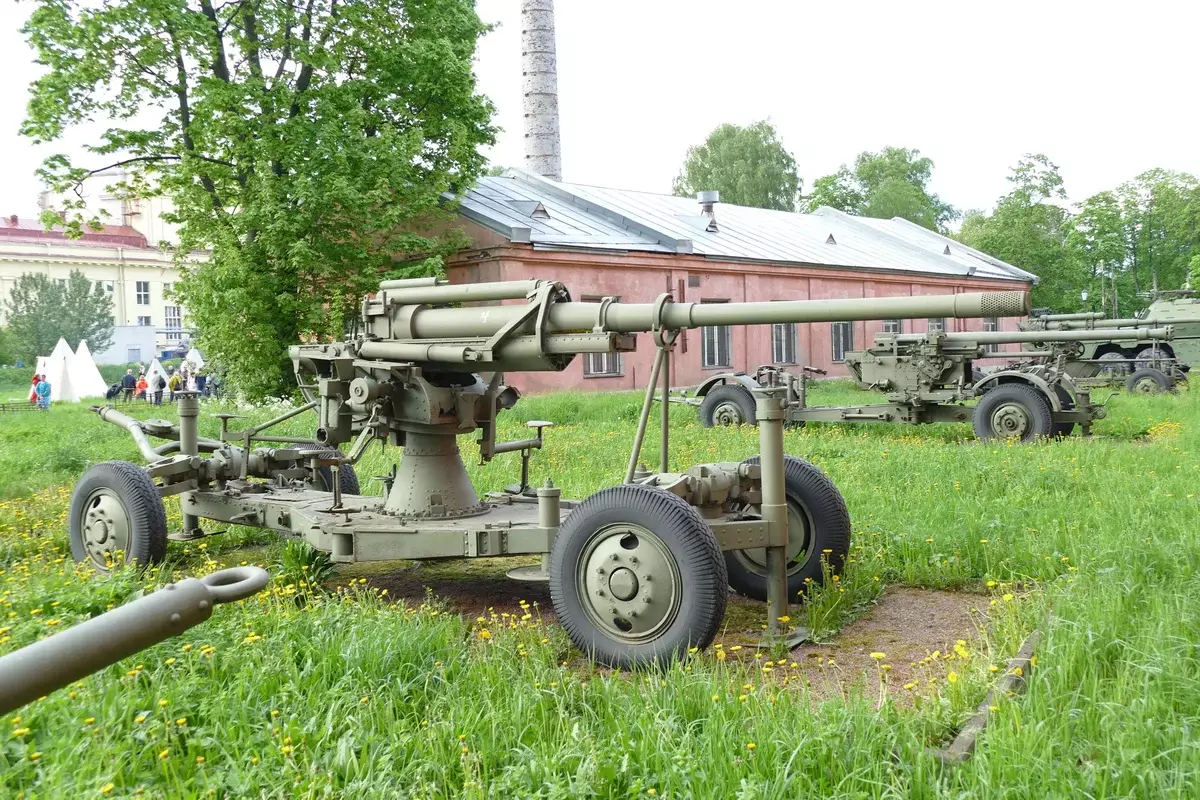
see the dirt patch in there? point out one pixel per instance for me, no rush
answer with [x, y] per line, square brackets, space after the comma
[907, 625]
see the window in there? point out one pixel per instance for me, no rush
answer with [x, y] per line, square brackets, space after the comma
[991, 325]
[105, 285]
[174, 322]
[61, 281]
[167, 288]
[937, 325]
[133, 355]
[893, 326]
[716, 344]
[143, 293]
[144, 322]
[601, 365]
[842, 334]
[783, 344]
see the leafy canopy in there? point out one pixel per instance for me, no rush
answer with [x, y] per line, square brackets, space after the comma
[41, 310]
[749, 166]
[306, 145]
[891, 183]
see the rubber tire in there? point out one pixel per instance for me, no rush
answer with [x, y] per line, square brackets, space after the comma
[1148, 355]
[349, 478]
[1159, 377]
[143, 505]
[728, 393]
[1063, 429]
[697, 558]
[807, 486]
[1035, 404]
[977, 376]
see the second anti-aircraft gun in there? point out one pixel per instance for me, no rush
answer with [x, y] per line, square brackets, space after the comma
[638, 572]
[930, 377]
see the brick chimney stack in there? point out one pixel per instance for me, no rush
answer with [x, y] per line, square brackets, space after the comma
[539, 80]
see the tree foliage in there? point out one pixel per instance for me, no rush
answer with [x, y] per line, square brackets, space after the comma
[41, 310]
[1118, 246]
[306, 144]
[749, 166]
[891, 183]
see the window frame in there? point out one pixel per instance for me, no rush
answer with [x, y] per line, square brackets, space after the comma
[138, 293]
[834, 339]
[722, 336]
[612, 364]
[899, 324]
[783, 342]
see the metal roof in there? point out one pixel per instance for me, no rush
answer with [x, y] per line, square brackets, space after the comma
[528, 208]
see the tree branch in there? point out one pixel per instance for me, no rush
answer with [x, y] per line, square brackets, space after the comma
[306, 72]
[220, 65]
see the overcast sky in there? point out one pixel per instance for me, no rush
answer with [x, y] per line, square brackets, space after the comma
[1106, 94]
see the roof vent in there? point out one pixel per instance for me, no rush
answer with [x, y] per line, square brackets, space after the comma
[530, 208]
[946, 252]
[12, 220]
[707, 200]
[830, 239]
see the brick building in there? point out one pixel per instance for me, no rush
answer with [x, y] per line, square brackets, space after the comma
[635, 245]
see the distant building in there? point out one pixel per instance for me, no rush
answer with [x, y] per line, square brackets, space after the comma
[124, 258]
[635, 246]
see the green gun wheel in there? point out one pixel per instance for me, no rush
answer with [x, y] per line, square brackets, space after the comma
[1012, 411]
[818, 531]
[117, 509]
[636, 577]
[730, 404]
[1149, 381]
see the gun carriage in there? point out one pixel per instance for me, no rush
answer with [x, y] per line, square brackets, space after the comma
[930, 377]
[638, 572]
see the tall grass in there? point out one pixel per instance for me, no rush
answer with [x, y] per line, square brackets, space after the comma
[350, 695]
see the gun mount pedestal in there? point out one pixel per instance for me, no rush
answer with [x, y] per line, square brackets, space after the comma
[639, 572]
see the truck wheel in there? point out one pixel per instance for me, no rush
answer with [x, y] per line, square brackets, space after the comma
[1012, 410]
[1062, 430]
[346, 474]
[730, 404]
[818, 529]
[116, 509]
[1150, 356]
[1148, 381]
[1118, 369]
[636, 577]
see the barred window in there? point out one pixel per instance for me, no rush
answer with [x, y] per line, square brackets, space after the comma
[143, 293]
[144, 322]
[991, 325]
[783, 343]
[601, 365]
[842, 334]
[716, 344]
[937, 325]
[893, 326]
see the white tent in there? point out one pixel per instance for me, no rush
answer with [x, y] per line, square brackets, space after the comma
[58, 369]
[194, 358]
[156, 369]
[85, 377]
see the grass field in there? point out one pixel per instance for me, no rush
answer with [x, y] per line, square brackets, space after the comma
[349, 693]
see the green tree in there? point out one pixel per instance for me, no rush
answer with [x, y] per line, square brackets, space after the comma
[891, 183]
[1028, 229]
[749, 166]
[1160, 210]
[41, 310]
[307, 145]
[1096, 237]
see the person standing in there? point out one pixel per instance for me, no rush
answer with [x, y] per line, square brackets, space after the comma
[33, 397]
[128, 384]
[160, 383]
[43, 394]
[142, 387]
[173, 384]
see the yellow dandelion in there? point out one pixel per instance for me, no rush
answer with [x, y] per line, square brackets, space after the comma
[878, 656]
[164, 754]
[750, 745]
[199, 759]
[107, 788]
[952, 677]
[1007, 597]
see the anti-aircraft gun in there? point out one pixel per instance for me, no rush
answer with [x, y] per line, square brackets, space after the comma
[57, 661]
[638, 572]
[1122, 356]
[929, 377]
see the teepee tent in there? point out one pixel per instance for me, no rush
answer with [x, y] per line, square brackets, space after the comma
[86, 377]
[156, 369]
[194, 358]
[58, 369]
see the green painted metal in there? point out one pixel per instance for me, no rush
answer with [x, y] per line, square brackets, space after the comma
[59, 660]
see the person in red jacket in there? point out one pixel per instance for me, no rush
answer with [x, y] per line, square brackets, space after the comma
[142, 384]
[33, 398]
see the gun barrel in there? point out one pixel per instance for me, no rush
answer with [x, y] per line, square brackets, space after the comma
[110, 414]
[56, 661]
[1105, 323]
[571, 317]
[1013, 337]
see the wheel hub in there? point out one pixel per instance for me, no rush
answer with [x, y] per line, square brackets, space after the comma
[799, 549]
[106, 527]
[728, 414]
[630, 582]
[1145, 386]
[1010, 420]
